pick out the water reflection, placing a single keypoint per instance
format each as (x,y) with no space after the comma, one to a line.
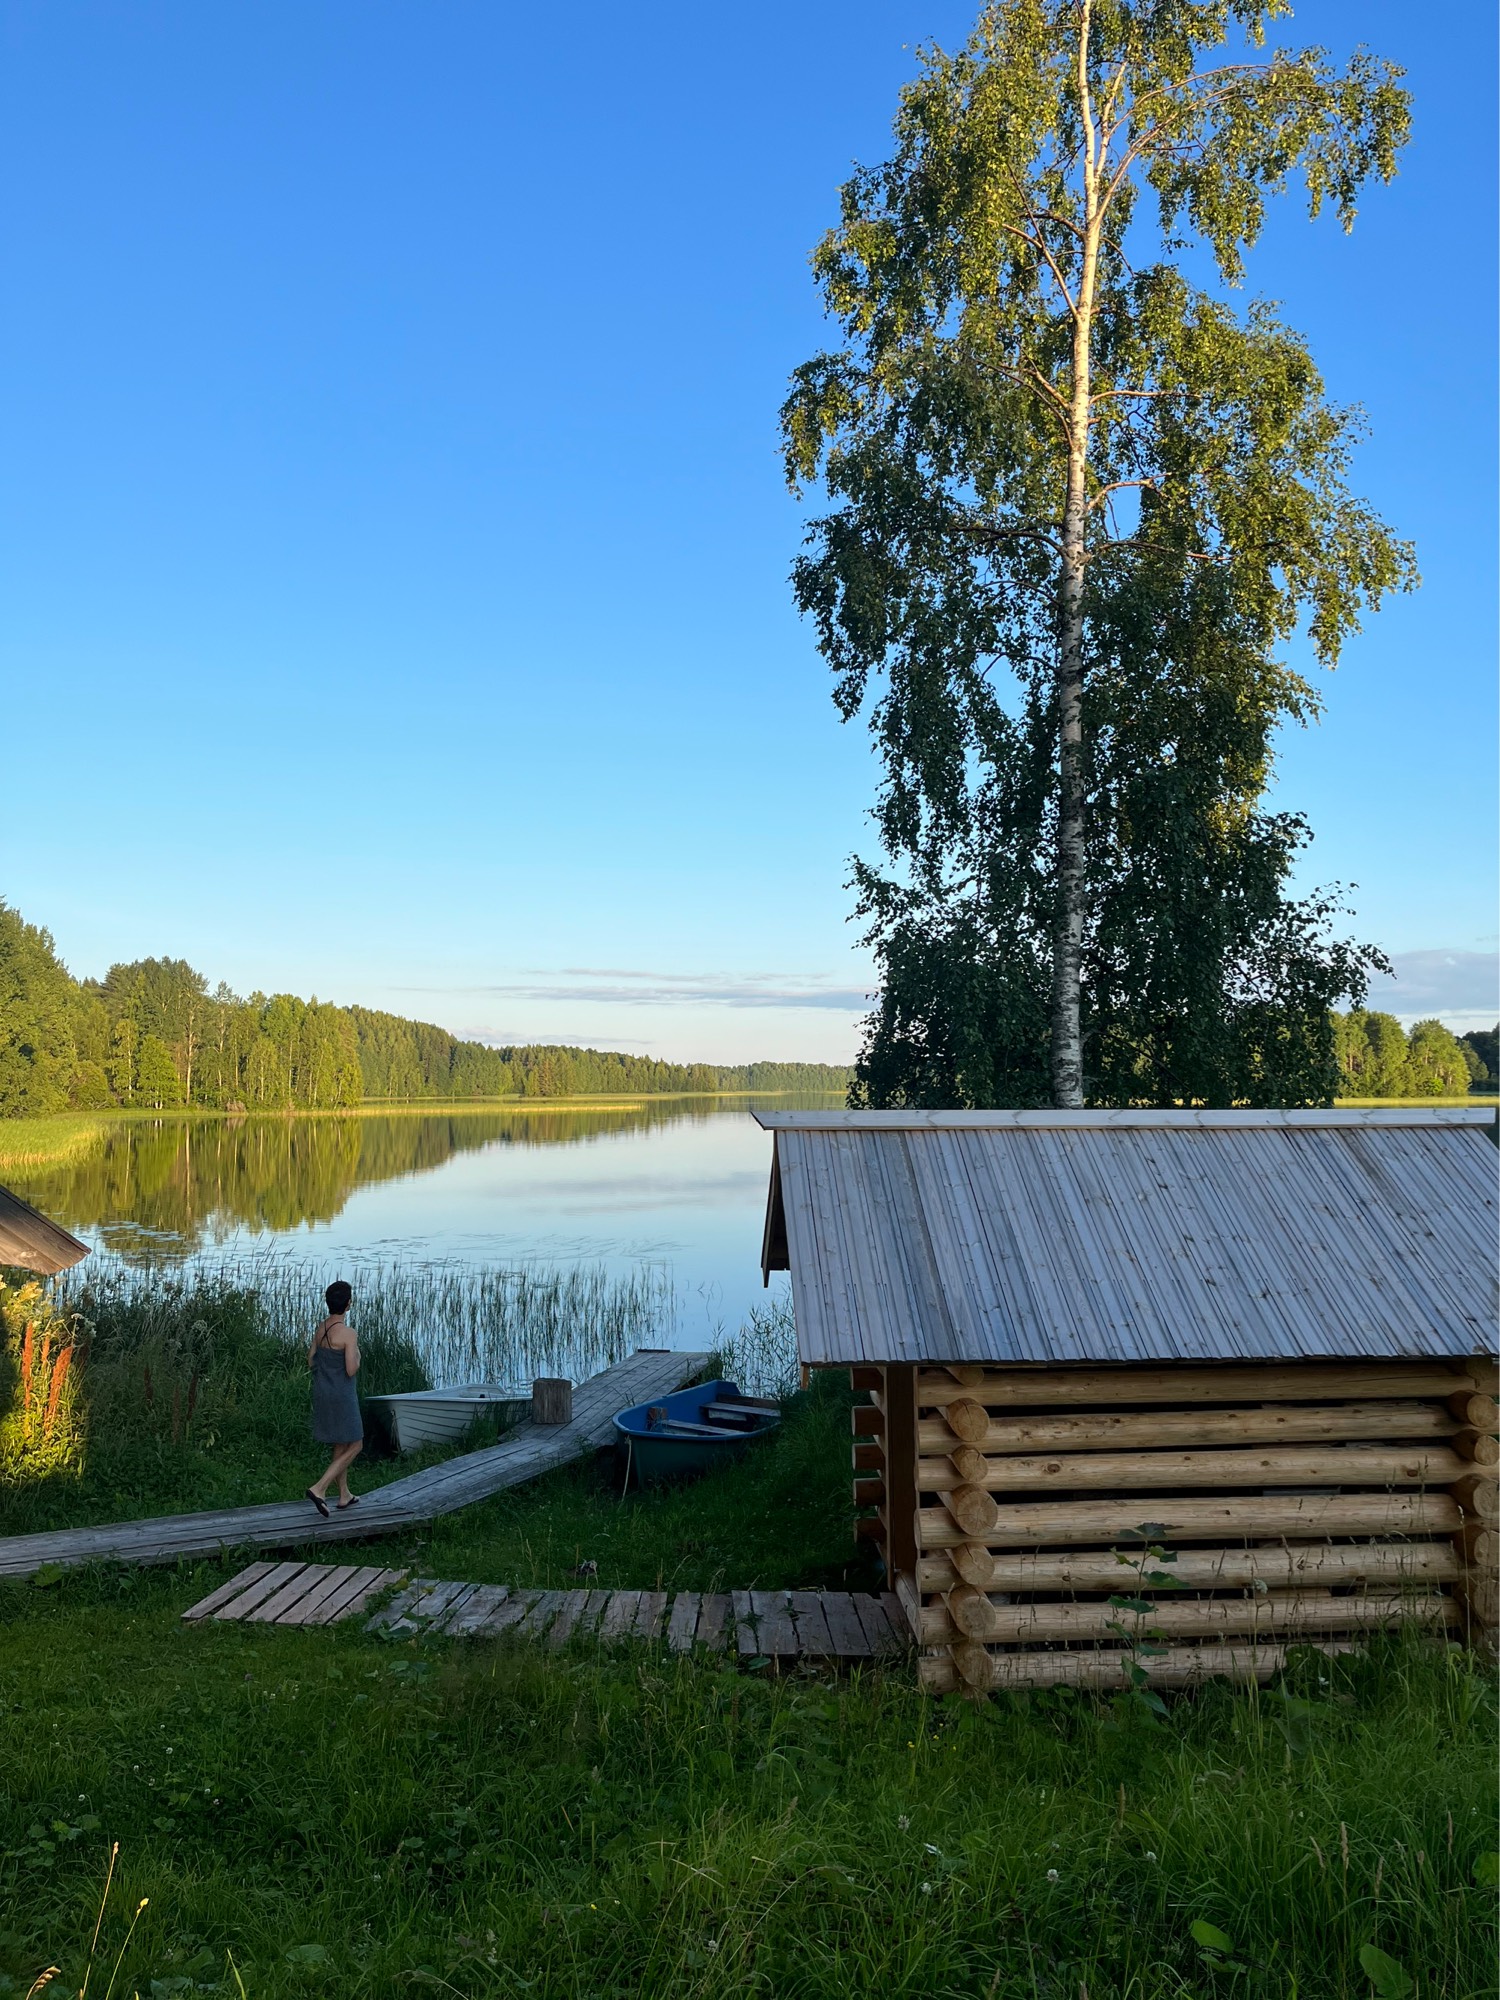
(173,1188)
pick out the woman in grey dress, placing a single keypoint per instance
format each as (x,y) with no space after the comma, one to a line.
(334,1361)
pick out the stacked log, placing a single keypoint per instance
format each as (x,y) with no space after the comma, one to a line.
(1295,1504)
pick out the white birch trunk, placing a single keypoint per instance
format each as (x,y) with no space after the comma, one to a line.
(1067,934)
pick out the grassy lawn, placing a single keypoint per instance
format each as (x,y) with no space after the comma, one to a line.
(329,1813)
(320,1812)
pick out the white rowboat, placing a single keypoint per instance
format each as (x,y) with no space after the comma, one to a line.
(442,1416)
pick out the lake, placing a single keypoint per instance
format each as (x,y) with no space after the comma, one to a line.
(674,1185)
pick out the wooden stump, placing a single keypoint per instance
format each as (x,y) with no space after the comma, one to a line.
(551,1400)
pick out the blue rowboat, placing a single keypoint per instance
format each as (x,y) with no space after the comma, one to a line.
(689,1432)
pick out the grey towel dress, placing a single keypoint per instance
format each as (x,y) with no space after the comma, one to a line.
(335,1400)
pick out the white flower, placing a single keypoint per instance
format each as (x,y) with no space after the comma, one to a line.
(926,1888)
(1052,1875)
(903,1821)
(1149,1855)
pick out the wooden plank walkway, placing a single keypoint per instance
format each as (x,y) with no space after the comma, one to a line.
(775,1626)
(524,1453)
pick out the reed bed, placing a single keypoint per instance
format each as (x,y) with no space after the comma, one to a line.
(187,1388)
(448,1322)
(761,1355)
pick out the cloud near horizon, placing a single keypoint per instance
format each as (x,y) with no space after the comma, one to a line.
(616,987)
(1439,983)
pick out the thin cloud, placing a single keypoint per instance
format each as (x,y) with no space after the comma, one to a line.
(1439,982)
(602,987)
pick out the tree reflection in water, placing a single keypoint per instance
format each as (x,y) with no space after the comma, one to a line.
(165,1189)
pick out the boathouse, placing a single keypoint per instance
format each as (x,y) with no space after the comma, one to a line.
(1155,1391)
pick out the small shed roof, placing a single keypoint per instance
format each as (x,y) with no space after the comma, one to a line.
(1135,1236)
(29,1240)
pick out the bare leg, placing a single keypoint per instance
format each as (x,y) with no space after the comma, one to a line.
(338,1468)
(349,1454)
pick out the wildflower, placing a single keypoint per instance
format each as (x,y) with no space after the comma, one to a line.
(926,1888)
(903,1821)
(1052,1875)
(712,1945)
(1149,1855)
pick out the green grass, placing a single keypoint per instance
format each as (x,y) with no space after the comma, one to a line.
(326,1813)
(341,1816)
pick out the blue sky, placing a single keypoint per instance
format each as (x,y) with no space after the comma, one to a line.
(394,546)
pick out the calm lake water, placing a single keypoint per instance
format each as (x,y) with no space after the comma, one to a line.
(673,1184)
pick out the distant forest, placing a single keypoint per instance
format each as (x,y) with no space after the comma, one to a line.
(152,1035)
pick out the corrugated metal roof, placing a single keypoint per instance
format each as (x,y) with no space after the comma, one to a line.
(29,1240)
(1135,1236)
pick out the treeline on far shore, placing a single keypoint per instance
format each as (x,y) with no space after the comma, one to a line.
(150,1035)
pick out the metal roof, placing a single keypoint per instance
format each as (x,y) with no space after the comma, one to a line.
(29,1240)
(1135,1236)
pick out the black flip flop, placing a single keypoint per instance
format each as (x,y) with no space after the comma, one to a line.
(321,1505)
(352,1501)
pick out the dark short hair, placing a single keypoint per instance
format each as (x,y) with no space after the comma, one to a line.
(338,1296)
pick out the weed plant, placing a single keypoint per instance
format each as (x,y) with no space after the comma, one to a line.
(315,1812)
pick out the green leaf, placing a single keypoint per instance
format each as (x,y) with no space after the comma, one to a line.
(305,1954)
(1210,1936)
(1390,1980)
(1487,1871)
(47,1576)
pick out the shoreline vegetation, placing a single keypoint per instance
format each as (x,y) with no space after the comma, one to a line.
(55,1139)
(32,1144)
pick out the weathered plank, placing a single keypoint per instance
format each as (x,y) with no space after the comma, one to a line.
(619,1614)
(291,1593)
(505,1617)
(471,1614)
(683,1622)
(263,1587)
(846,1633)
(648,1616)
(777,1634)
(714,1624)
(227,1592)
(814,1640)
(541,1614)
(569,1615)
(746,1642)
(308,1609)
(394,1613)
(352,1599)
(522,1454)
(884,1626)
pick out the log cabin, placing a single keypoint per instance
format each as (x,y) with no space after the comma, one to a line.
(1155,1395)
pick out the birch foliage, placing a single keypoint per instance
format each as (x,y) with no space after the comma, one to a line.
(1080,502)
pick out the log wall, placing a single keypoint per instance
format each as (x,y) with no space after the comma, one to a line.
(1298,1504)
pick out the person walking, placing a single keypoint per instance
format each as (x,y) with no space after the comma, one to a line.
(334,1361)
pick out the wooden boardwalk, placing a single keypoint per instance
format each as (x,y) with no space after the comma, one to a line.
(776,1626)
(524,1453)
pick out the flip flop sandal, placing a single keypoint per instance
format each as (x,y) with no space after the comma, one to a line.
(321,1505)
(352,1501)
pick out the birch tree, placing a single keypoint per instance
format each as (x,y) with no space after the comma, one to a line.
(1038,419)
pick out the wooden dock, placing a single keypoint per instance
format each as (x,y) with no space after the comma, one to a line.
(776,1627)
(523,1454)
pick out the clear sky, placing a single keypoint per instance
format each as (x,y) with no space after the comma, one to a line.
(394,547)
